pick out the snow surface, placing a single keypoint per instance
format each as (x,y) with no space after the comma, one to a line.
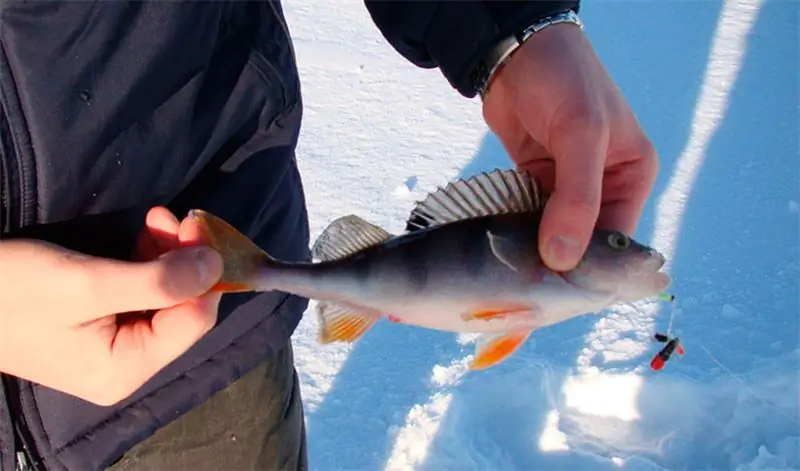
(715,85)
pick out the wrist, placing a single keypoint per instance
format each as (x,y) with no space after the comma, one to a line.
(501,53)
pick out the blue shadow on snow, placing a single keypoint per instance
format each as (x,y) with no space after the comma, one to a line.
(497,416)
(386,373)
(736,270)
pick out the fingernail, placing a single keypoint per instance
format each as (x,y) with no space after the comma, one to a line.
(209,264)
(564,250)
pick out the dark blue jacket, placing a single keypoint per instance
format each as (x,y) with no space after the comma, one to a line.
(109,108)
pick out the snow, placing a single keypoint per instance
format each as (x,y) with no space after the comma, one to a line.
(715,87)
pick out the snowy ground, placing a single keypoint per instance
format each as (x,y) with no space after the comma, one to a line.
(715,84)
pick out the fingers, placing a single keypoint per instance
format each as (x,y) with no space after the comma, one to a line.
(190,233)
(110,286)
(141,348)
(571,212)
(555,88)
(573,182)
(80,293)
(85,288)
(160,234)
(626,188)
(173,269)
(531,157)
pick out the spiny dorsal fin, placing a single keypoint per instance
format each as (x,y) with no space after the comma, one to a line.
(345,236)
(486,194)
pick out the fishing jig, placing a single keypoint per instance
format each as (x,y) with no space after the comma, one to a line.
(673,344)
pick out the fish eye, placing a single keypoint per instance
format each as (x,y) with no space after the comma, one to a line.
(618,240)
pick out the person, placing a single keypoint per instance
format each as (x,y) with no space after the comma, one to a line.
(119,117)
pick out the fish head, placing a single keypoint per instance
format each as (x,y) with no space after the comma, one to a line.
(619,266)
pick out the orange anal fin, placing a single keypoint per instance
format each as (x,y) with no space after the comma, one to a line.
(338,323)
(488,314)
(493,349)
(241,256)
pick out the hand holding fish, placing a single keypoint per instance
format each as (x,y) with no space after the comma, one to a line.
(562,119)
(58,310)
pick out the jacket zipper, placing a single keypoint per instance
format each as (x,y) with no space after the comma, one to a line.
(19,197)
(3,198)
(5,174)
(16,210)
(26,456)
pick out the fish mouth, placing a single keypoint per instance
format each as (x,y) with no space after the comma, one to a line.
(661,281)
(655,260)
(654,264)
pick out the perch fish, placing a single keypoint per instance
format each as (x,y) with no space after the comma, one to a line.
(468,263)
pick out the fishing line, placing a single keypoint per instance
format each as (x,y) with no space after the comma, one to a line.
(744,385)
(750,390)
(671,318)
(719,363)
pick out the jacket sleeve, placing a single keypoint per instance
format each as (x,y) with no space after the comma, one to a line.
(454,35)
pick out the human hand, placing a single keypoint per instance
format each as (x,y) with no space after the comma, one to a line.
(560,117)
(60,311)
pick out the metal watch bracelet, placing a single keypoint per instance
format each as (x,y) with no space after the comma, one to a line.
(502,52)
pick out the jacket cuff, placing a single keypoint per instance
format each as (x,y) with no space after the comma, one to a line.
(458,41)
(456,36)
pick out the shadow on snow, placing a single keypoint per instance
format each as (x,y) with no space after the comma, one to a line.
(496,418)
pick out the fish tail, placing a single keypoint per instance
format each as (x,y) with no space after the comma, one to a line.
(244,263)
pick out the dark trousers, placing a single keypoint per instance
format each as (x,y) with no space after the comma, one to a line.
(256,423)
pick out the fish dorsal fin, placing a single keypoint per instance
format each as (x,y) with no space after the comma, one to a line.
(486,194)
(346,236)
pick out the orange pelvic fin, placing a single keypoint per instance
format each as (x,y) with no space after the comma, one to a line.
(493,349)
(338,323)
(241,256)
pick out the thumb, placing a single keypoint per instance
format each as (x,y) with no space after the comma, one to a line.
(571,211)
(171,279)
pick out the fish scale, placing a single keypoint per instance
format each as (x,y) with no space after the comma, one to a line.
(468,263)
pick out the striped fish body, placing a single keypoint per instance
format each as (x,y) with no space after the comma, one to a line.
(469,263)
(446,277)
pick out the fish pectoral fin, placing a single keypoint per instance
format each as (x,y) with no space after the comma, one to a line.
(339,323)
(345,236)
(494,348)
(503,249)
(516,253)
(241,256)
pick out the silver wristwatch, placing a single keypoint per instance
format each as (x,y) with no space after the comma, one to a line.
(503,50)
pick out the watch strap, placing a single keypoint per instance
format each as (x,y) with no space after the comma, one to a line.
(500,53)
